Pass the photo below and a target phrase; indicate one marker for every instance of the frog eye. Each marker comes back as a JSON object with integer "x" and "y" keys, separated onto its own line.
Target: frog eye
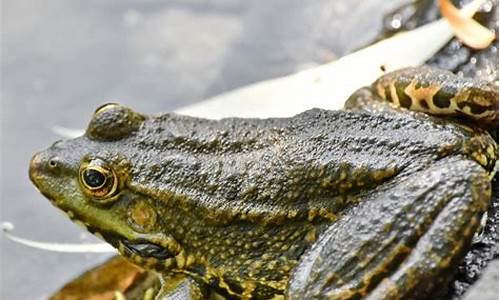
{"x": 97, "y": 179}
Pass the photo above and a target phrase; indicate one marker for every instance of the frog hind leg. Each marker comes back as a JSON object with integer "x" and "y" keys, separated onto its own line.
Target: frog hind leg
{"x": 439, "y": 92}
{"x": 366, "y": 99}
{"x": 402, "y": 241}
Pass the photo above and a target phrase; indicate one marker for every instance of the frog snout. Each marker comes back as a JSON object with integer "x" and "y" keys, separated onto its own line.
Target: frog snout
{"x": 36, "y": 166}
{"x": 42, "y": 164}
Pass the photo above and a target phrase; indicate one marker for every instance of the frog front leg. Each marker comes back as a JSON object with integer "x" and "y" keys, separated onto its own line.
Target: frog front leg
{"x": 403, "y": 241}
{"x": 180, "y": 287}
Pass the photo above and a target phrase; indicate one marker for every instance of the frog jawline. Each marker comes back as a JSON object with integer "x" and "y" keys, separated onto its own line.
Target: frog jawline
{"x": 141, "y": 247}
{"x": 147, "y": 249}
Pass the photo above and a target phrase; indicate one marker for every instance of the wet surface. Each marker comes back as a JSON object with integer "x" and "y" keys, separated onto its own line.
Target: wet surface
{"x": 62, "y": 59}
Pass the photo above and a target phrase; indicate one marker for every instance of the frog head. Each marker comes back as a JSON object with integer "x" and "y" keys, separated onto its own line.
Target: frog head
{"x": 88, "y": 177}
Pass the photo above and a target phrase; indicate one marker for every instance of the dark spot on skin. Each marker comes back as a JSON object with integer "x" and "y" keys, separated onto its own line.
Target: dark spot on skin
{"x": 423, "y": 104}
{"x": 235, "y": 286}
{"x": 403, "y": 98}
{"x": 441, "y": 102}
{"x": 422, "y": 84}
{"x": 388, "y": 95}
{"x": 476, "y": 108}
{"x": 461, "y": 105}
{"x": 405, "y": 102}
{"x": 442, "y": 99}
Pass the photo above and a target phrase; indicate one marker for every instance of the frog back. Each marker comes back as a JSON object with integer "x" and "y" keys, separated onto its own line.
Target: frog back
{"x": 308, "y": 166}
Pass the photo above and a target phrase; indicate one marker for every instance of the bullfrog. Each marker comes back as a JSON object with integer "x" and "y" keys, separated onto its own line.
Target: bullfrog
{"x": 377, "y": 201}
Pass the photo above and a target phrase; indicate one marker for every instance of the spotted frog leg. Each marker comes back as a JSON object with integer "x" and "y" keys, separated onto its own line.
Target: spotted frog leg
{"x": 432, "y": 91}
{"x": 404, "y": 235}
{"x": 425, "y": 93}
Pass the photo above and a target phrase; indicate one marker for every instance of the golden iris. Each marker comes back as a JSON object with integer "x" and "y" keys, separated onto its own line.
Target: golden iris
{"x": 98, "y": 179}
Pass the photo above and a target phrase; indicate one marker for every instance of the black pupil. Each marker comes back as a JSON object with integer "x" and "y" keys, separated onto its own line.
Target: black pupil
{"x": 93, "y": 178}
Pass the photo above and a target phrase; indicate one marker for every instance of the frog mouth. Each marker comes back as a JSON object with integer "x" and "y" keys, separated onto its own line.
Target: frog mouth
{"x": 146, "y": 249}
{"x": 141, "y": 247}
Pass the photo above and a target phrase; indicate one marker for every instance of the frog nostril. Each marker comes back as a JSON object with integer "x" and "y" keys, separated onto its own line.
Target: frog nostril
{"x": 53, "y": 164}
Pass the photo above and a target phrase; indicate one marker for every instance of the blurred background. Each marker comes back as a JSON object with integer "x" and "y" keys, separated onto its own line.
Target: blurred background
{"x": 62, "y": 59}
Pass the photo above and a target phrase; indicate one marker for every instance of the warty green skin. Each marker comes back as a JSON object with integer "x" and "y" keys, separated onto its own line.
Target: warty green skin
{"x": 238, "y": 204}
